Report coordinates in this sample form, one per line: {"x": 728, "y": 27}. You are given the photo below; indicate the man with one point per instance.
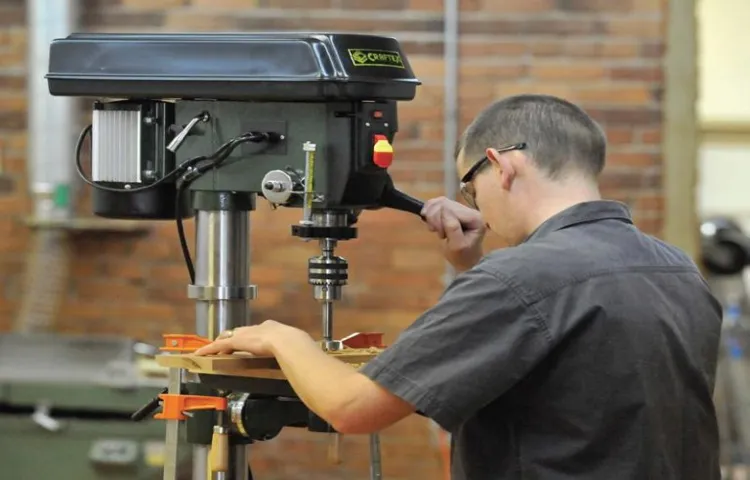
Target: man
{"x": 584, "y": 350}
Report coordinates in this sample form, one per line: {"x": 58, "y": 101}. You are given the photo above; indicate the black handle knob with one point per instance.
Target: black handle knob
{"x": 397, "y": 200}
{"x": 147, "y": 409}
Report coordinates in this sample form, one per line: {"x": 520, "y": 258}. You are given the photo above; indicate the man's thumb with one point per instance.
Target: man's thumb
{"x": 452, "y": 227}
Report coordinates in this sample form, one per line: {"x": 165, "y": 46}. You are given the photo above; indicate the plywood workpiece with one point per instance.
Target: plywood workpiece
{"x": 244, "y": 365}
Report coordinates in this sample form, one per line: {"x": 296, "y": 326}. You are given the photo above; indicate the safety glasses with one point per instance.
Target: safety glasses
{"x": 466, "y": 187}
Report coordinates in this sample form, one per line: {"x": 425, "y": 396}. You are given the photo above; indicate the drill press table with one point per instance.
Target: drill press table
{"x": 243, "y": 365}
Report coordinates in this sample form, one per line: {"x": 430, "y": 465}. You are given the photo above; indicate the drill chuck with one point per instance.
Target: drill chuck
{"x": 328, "y": 270}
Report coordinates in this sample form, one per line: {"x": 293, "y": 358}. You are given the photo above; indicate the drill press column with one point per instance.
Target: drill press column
{"x": 221, "y": 289}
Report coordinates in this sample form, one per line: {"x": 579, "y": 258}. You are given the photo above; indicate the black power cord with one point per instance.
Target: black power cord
{"x": 187, "y": 172}
{"x": 176, "y": 171}
{"x": 197, "y": 170}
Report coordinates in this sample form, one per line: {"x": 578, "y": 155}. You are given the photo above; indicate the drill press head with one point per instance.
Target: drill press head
{"x": 312, "y": 117}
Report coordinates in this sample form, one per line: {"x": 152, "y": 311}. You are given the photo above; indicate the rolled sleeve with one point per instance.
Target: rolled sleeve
{"x": 466, "y": 351}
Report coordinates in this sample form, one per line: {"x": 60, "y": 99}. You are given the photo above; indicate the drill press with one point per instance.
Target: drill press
{"x": 200, "y": 125}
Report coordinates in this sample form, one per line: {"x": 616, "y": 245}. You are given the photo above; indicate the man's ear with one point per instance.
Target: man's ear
{"x": 503, "y": 166}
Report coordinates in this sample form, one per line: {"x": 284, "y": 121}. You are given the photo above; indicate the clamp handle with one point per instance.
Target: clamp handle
{"x": 148, "y": 408}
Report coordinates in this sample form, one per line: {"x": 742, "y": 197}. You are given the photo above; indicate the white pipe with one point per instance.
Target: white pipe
{"x": 450, "y": 121}
{"x": 450, "y": 113}
{"x": 52, "y": 120}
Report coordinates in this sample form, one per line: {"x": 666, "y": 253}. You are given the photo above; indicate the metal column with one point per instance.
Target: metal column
{"x": 221, "y": 291}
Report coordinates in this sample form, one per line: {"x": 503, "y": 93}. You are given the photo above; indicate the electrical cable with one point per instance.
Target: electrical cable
{"x": 187, "y": 171}
{"x": 196, "y": 171}
{"x": 79, "y": 148}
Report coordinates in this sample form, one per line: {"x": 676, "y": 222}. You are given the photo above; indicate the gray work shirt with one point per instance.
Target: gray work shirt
{"x": 587, "y": 352}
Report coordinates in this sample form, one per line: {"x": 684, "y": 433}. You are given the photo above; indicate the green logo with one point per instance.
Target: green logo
{"x": 375, "y": 58}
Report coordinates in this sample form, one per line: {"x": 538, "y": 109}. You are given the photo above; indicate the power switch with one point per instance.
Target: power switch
{"x": 382, "y": 155}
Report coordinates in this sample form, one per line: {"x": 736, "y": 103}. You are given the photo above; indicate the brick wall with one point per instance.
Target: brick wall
{"x": 606, "y": 55}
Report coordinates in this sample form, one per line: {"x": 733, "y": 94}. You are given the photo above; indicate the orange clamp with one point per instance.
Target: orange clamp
{"x": 173, "y": 407}
{"x": 183, "y": 343}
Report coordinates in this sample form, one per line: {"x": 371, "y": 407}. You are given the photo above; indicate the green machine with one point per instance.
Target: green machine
{"x": 66, "y": 407}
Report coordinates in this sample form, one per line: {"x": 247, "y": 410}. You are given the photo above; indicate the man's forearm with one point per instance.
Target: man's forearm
{"x": 324, "y": 384}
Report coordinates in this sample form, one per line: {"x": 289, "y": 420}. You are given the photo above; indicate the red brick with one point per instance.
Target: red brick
{"x": 369, "y": 5}
{"x": 651, "y": 135}
{"x": 577, "y": 73}
{"x": 547, "y": 48}
{"x": 430, "y": 5}
{"x": 619, "y": 135}
{"x": 427, "y": 66}
{"x": 518, "y": 6}
{"x": 13, "y": 205}
{"x": 619, "y": 50}
{"x": 495, "y": 48}
{"x": 637, "y": 28}
{"x": 621, "y": 6}
{"x": 644, "y": 74}
{"x": 432, "y": 131}
{"x": 652, "y": 226}
{"x": 416, "y": 259}
{"x": 428, "y": 47}
{"x": 235, "y": 5}
{"x": 634, "y": 159}
{"x": 98, "y": 288}
{"x": 420, "y": 114}
{"x": 654, "y": 203}
{"x": 630, "y": 116}
{"x": 295, "y": 3}
{"x": 15, "y": 141}
{"x": 12, "y": 82}
{"x": 616, "y": 177}
{"x": 11, "y": 58}
{"x": 652, "y": 6}
{"x": 155, "y": 4}
{"x": 472, "y": 72}
{"x": 556, "y": 88}
{"x": 534, "y": 26}
{"x": 14, "y": 164}
{"x": 631, "y": 95}
{"x": 467, "y": 5}
{"x": 114, "y": 20}
{"x": 198, "y": 20}
{"x": 360, "y": 25}
{"x": 12, "y": 15}
{"x": 597, "y": 49}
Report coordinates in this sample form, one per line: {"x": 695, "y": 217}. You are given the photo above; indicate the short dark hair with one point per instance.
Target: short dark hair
{"x": 559, "y": 135}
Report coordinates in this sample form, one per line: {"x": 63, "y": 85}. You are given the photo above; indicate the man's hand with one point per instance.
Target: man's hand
{"x": 461, "y": 227}
{"x": 260, "y": 340}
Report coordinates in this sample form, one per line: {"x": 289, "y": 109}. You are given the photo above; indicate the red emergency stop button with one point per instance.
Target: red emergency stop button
{"x": 382, "y": 155}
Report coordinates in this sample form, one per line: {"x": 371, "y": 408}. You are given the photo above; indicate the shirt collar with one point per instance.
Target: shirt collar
{"x": 585, "y": 212}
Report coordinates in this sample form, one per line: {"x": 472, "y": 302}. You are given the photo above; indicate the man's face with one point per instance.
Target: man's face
{"x": 483, "y": 189}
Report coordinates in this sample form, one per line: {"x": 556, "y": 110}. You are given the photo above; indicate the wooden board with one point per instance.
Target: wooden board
{"x": 243, "y": 365}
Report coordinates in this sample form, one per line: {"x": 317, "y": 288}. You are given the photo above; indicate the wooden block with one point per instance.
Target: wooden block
{"x": 244, "y": 365}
